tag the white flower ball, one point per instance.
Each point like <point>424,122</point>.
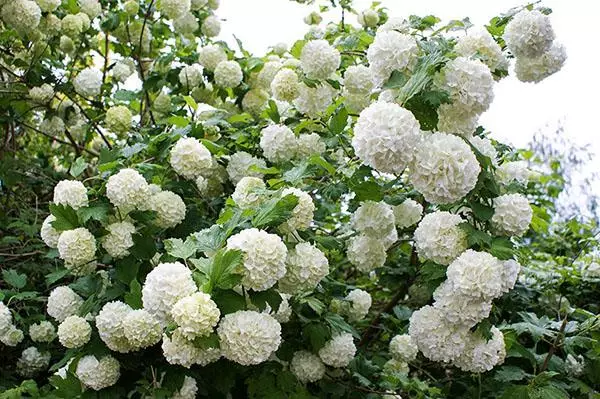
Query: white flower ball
<point>189,157</point>
<point>313,101</point>
<point>127,190</point>
<point>141,329</point>
<point>43,331</point>
<point>356,102</point>
<point>110,325</point>
<point>395,366</point>
<point>123,70</point>
<point>510,274</point>
<point>74,332</point>
<point>435,337</point>
<point>210,56</point>
<point>368,18</point>
<point>481,355</point>
<point>169,207</point>
<point>264,257</point>
<point>22,15</point>
<point>486,148</point>
<point>240,165</point>
<point>249,337</point>
<point>308,145</point>
<point>188,390</point>
<point>439,237</point>
<point>88,82</point>
<point>211,26</point>
<point>228,74</point>
<point>48,5</point>
<point>319,59</point>
<point>285,86</point>
<point>48,233</point>
<point>302,214</point>
<point>96,374</point>
<point>118,119</point>
<point>307,367</point>
<point>42,94</point>
<point>186,24</point>
<point>476,275</point>
<point>529,34</point>
<point>339,351</point>
<point>72,193</point>
<point>445,169</point>
<point>284,312</point>
<point>455,118</point>
<point>306,267</point>
<point>254,101</point>
<point>391,51</point>
<point>5,318</point>
<point>32,361</point>
<point>278,143</point>
<point>62,303</point>
<point>386,137</point>
<point>72,26</point>
<point>280,48</point>
<point>407,213</point>
<point>366,253</point>
<point>92,8</point>
<point>460,309</point>
<point>513,171</point>
<point>469,83</point>
<point>162,103</point>
<point>375,219</point>
<point>512,215</point>
<point>191,76</point>
<point>77,248</point>
<point>53,126</point>
<point>166,284</point>
<point>361,303</point>
<point>539,68</point>
<point>479,44</point>
<point>266,75</point>
<point>178,350</point>
<point>174,9</point>
<point>196,315</point>
<point>358,79</point>
<point>12,336</point>
<point>403,347</point>
<point>395,23</point>
<point>249,192</point>
<point>119,239</point>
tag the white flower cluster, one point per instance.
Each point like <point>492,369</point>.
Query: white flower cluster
<point>186,24</point>
<point>512,214</point>
<point>191,76</point>
<point>391,51</point>
<point>358,84</point>
<point>486,148</point>
<point>479,44</point>
<point>285,86</point>
<point>313,101</point>
<point>62,303</point>
<point>211,26</point>
<point>445,169</point>
<point>530,37</point>
<point>196,315</point>
<point>249,337</point>
<point>302,214</point>
<point>481,355</point>
<point>72,193</point>
<point>10,335</point>
<point>439,237</point>
<point>309,144</point>
<point>368,18</point>
<point>174,9</point>
<point>266,75</point>
<point>123,70</point>
<point>178,350</point>
<point>41,94</point>
<point>210,56</point>
<point>306,266</point>
<point>319,59</point>
<point>169,207</point>
<point>88,82</point>
<point>189,157</point>
<point>43,331</point>
<point>118,119</point>
<point>408,213</point>
<point>339,351</point>
<point>228,74</point>
<point>241,164</point>
<point>360,304</point>
<point>386,137</point>
<point>278,143</point>
<point>78,249</point>
<point>92,8</point>
<point>307,367</point>
<point>141,329</point>
<point>249,192</point>
<point>366,253</point>
<point>255,101</point>
<point>264,257</point>
<point>403,348</point>
<point>48,233</point>
<point>127,190</point>
<point>22,15</point>
<point>374,219</point>
<point>32,362</point>
<point>74,332</point>
<point>98,374</point>
<point>119,239</point>
<point>188,390</point>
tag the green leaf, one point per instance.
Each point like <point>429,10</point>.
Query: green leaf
<point>367,191</point>
<point>223,270</point>
<point>127,269</point>
<point>209,240</point>
<point>55,276</point>
<point>296,49</point>
<point>14,279</point>
<point>481,211</point>
<point>191,102</point>
<point>68,387</point>
<point>275,211</point>
<point>96,212</point>
<point>111,22</point>
<point>502,248</point>
<point>228,301</point>
<point>78,167</point>
<point>180,249</point>
<point>509,373</point>
<point>476,238</point>
<point>66,217</point>
<point>297,173</point>
<point>317,334</point>
<point>134,297</point>
<point>179,121</point>
<point>210,341</point>
<point>273,112</point>
<point>396,80</point>
<point>261,298</point>
<point>516,392</point>
<point>338,121</point>
<point>144,246</point>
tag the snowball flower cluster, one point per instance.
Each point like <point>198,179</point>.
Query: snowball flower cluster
<point>196,315</point>
<point>264,257</point>
<point>22,15</point>
<point>339,351</point>
<point>368,18</point>
<point>189,157</point>
<point>309,144</point>
<point>319,59</point>
<point>110,325</point>
<point>74,332</point>
<point>98,374</point>
<point>48,5</point>
<point>529,34</point>
<point>302,214</point>
<point>313,101</point>
<point>62,303</point>
<point>358,79</point>
<point>178,350</point>
<point>248,192</point>
<point>141,329</point>
<point>43,331</point>
<point>403,347</point>
<point>391,51</point>
<point>127,190</point>
<point>445,169</point>
<point>512,214</point>
<point>41,94</point>
<point>123,70</point>
<point>188,390</point>
<point>453,117</point>
<point>174,9</point>
<point>439,237</point>
<point>255,101</point>
<point>266,75</point>
<point>186,24</point>
<point>9,334</point>
<point>249,337</point>
<point>307,367</point>
<point>118,119</point>
<point>228,74</point>
<point>88,82</point>
<point>375,219</point>
<point>285,85</point>
<point>92,8</point>
<point>78,249</point>
<point>539,68</point>
<point>166,284</point>
<point>48,233</point>
<point>119,239</point>
<point>210,56</point>
<point>407,213</point>
<point>360,304</point>
<point>479,43</point>
<point>366,253</point>
<point>278,143</point>
<point>241,164</point>
<point>386,137</point>
<point>477,275</point>
<point>211,26</point>
<point>481,355</point>
<point>72,193</point>
<point>306,266</point>
<point>32,361</point>
<point>513,171</point>
<point>191,76</point>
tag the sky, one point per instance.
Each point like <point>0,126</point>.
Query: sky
<point>519,109</point>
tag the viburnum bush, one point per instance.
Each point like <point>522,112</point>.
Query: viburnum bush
<point>325,220</point>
